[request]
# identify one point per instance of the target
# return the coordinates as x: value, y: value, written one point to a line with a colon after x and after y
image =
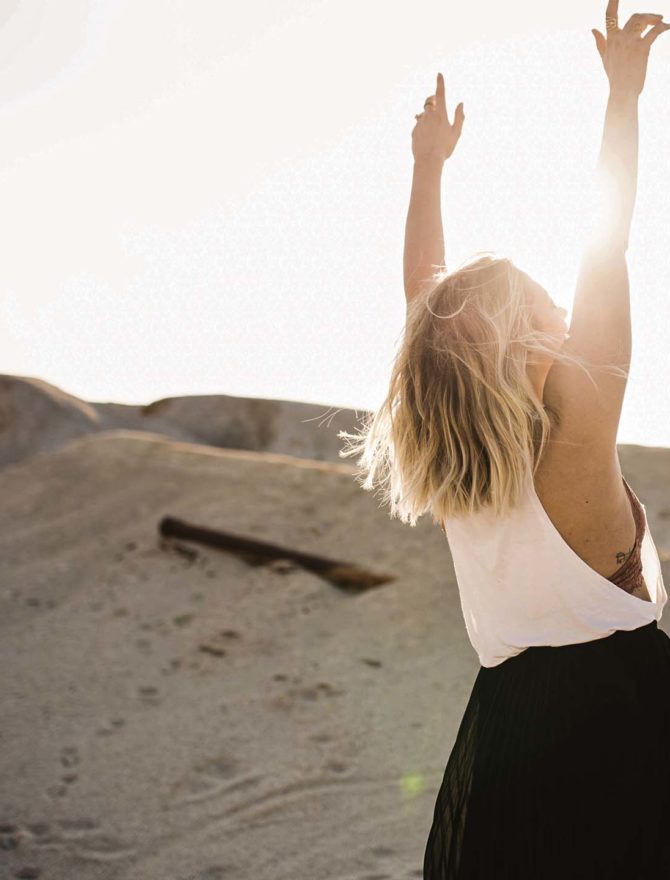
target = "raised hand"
x: 625, y: 52
x: 433, y: 136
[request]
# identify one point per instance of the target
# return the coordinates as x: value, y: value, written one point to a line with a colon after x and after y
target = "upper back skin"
x: 581, y: 488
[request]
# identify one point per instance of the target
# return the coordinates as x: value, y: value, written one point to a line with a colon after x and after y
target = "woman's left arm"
x: 434, y: 140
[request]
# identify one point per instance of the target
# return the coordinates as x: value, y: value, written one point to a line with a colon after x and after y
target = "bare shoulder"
x: 587, y: 404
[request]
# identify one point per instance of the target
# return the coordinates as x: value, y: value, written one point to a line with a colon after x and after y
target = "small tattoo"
x: 622, y: 557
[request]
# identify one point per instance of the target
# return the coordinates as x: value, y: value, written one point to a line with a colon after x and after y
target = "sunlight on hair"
x: 462, y: 426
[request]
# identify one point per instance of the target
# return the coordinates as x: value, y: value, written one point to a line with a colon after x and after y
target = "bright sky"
x: 203, y: 197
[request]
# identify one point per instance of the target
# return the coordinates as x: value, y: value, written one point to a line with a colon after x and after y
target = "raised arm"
x: 434, y: 140
x: 625, y: 55
x: 600, y: 328
x: 424, y: 235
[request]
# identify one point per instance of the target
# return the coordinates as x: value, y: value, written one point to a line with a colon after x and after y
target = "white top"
x: 521, y: 584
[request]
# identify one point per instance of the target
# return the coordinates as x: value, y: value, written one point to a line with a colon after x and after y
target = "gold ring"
x: 611, y: 24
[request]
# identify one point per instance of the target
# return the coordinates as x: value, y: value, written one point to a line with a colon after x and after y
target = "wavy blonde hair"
x: 461, y: 425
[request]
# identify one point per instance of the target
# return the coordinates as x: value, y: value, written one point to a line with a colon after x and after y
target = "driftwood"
x: 255, y: 552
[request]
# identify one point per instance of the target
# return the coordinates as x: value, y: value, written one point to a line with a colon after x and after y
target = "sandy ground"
x: 174, y: 715
x: 305, y: 739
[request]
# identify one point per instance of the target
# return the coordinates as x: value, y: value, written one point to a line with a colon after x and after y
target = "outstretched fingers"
x: 655, y: 32
x: 639, y: 21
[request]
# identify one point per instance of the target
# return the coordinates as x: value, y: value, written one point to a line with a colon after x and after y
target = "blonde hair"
x: 461, y: 425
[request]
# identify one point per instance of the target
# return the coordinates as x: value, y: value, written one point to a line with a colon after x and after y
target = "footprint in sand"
x: 81, y: 837
x: 306, y: 693
x: 207, y: 779
x: 42, y: 836
x: 103, y: 848
x: 336, y: 766
x: 174, y: 664
x: 149, y: 695
x: 69, y: 756
x: 113, y: 726
x: 217, y: 643
x: 322, y: 737
x: 9, y: 836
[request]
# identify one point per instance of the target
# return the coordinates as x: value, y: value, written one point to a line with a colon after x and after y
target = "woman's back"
x: 583, y: 494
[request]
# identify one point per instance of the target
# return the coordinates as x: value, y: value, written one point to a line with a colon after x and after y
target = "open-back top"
x: 521, y: 584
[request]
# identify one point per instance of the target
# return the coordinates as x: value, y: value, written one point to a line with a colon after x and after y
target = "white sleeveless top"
x: 521, y: 584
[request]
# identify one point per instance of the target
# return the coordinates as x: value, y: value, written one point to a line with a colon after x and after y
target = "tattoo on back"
x: 622, y: 557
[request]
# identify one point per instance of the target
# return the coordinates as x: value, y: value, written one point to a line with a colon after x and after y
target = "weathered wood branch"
x: 255, y: 552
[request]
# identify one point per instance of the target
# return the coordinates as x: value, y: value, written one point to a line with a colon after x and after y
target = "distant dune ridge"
x: 170, y: 710
x: 36, y: 416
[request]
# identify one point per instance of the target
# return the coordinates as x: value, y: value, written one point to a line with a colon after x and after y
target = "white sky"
x: 205, y: 197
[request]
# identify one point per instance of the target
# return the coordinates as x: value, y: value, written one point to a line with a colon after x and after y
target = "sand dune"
x: 170, y: 712
x: 36, y: 416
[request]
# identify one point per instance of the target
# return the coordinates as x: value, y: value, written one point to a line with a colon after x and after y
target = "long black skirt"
x: 561, y: 767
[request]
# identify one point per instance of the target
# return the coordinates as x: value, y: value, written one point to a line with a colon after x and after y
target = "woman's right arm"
x: 617, y: 172
x: 625, y: 56
x: 600, y: 327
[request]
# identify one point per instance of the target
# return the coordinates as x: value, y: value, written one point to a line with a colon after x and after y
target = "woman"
x: 503, y: 426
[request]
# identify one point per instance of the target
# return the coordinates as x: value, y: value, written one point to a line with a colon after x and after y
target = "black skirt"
x: 561, y: 767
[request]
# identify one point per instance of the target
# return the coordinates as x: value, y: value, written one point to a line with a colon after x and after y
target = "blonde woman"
x: 502, y: 425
